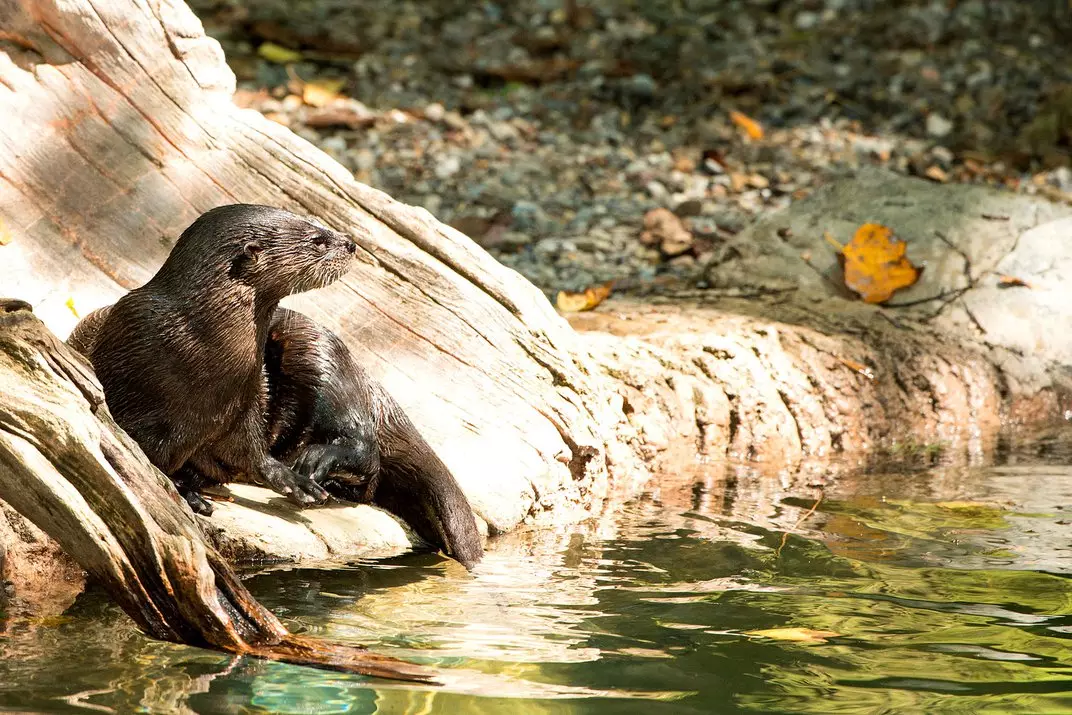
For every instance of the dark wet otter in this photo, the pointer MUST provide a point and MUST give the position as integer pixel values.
(182, 361)
(337, 425)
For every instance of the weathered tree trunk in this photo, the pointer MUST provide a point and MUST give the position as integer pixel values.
(66, 466)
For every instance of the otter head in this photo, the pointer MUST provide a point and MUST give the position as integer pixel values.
(272, 251)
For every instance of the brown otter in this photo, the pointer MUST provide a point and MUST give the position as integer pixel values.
(193, 361)
(338, 426)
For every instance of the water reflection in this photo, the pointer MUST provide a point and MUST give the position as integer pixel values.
(943, 590)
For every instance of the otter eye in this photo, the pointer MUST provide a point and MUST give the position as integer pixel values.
(320, 240)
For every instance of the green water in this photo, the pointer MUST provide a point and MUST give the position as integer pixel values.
(942, 591)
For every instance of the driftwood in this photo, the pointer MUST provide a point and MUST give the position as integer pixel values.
(66, 466)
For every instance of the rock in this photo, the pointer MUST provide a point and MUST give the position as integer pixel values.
(806, 20)
(513, 240)
(1023, 319)
(432, 202)
(658, 191)
(434, 112)
(689, 207)
(37, 576)
(448, 166)
(663, 228)
(259, 525)
(334, 145)
(938, 126)
(528, 217)
(943, 224)
(641, 86)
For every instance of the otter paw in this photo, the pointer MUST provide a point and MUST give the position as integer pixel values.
(321, 461)
(198, 503)
(300, 489)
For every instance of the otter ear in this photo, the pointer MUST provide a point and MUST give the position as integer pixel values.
(252, 249)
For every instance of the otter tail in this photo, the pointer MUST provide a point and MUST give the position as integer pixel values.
(416, 486)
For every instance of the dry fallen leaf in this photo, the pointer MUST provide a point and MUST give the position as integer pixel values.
(321, 92)
(749, 126)
(797, 635)
(936, 173)
(339, 117)
(278, 118)
(278, 54)
(874, 263)
(664, 229)
(5, 234)
(1004, 281)
(858, 367)
(591, 297)
(758, 181)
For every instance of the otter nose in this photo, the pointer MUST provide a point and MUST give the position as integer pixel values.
(351, 247)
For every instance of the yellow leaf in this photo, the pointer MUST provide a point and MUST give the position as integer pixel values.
(322, 92)
(70, 307)
(936, 173)
(797, 635)
(858, 367)
(1004, 281)
(875, 265)
(5, 234)
(278, 54)
(749, 126)
(586, 300)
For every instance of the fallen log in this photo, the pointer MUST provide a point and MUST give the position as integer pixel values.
(66, 466)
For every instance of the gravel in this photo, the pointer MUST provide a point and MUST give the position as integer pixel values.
(558, 133)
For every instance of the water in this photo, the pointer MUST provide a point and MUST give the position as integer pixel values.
(940, 591)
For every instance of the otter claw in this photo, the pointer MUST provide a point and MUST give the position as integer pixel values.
(295, 487)
(198, 504)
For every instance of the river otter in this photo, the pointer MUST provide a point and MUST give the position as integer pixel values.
(338, 426)
(181, 359)
(211, 378)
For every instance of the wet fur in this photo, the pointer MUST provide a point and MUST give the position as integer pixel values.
(342, 429)
(181, 359)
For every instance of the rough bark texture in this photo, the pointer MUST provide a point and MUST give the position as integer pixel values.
(68, 468)
(36, 576)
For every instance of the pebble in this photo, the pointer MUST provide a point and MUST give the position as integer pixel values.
(806, 20)
(529, 216)
(938, 126)
(435, 112)
(447, 167)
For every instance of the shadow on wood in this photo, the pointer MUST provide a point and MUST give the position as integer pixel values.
(66, 466)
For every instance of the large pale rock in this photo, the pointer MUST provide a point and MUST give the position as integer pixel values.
(969, 239)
